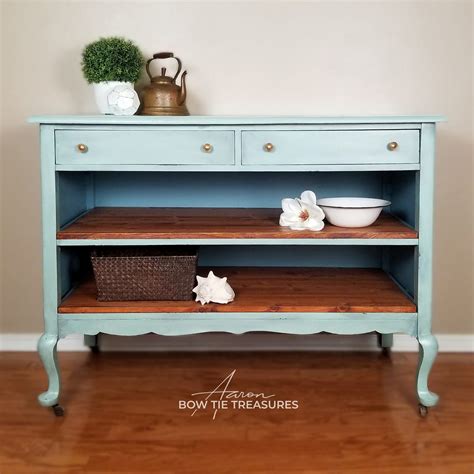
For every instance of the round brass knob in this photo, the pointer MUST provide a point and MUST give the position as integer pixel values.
(268, 147)
(82, 148)
(392, 146)
(207, 148)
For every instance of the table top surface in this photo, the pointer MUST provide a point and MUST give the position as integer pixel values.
(231, 120)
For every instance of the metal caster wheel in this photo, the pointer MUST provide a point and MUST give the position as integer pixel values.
(423, 410)
(58, 410)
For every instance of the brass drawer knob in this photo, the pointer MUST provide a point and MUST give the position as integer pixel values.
(268, 147)
(207, 148)
(392, 146)
(82, 148)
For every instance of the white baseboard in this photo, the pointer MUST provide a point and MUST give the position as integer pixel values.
(246, 342)
(25, 342)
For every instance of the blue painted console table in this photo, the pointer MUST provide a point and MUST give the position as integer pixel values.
(217, 183)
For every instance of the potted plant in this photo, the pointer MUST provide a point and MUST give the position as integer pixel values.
(108, 63)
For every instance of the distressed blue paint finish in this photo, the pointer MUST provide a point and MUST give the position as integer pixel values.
(329, 147)
(290, 256)
(72, 196)
(165, 189)
(402, 267)
(126, 324)
(428, 348)
(237, 167)
(155, 146)
(47, 345)
(157, 161)
(402, 194)
(51, 273)
(386, 340)
(74, 262)
(428, 344)
(232, 120)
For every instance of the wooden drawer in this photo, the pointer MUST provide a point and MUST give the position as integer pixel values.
(145, 147)
(307, 147)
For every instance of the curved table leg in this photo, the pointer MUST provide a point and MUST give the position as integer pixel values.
(428, 348)
(47, 351)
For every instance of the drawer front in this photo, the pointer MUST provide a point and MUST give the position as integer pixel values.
(310, 147)
(145, 147)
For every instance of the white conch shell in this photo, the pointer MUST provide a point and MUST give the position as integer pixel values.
(303, 213)
(213, 289)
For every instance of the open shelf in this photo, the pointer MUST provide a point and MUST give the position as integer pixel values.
(271, 289)
(213, 223)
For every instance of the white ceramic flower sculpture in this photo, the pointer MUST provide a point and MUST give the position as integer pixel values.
(213, 289)
(303, 213)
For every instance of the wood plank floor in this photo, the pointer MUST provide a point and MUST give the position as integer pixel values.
(357, 414)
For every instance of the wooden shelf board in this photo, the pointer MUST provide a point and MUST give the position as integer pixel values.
(213, 223)
(271, 289)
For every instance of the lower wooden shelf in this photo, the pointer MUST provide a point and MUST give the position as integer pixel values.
(273, 290)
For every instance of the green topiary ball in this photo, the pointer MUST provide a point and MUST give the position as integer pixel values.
(112, 59)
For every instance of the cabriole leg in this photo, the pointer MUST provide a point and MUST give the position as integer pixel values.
(47, 351)
(428, 348)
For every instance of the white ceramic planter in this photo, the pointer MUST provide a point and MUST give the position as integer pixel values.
(101, 92)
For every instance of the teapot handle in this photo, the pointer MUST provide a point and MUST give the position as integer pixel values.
(163, 56)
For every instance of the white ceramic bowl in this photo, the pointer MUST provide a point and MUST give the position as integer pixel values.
(352, 211)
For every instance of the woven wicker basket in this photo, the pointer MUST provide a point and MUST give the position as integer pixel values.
(147, 273)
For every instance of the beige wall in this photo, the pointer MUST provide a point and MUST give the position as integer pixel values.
(248, 58)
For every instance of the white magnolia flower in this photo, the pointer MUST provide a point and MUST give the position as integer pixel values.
(213, 289)
(303, 213)
(123, 100)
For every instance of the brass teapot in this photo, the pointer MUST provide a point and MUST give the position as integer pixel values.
(163, 96)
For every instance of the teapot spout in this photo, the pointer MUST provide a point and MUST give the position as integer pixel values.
(182, 93)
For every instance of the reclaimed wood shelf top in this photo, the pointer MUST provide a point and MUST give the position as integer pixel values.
(270, 289)
(214, 223)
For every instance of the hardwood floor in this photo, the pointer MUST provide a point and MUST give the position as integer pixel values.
(357, 414)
